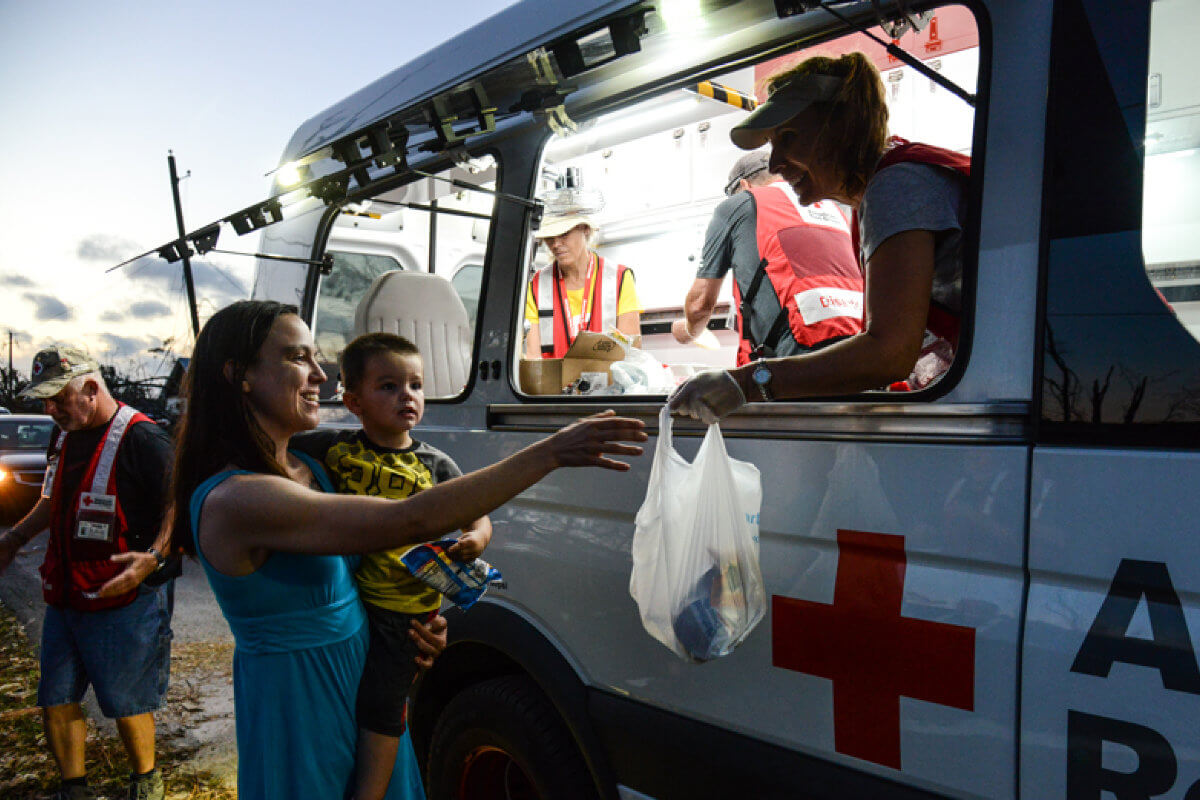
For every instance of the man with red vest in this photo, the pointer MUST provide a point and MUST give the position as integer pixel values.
(797, 283)
(108, 615)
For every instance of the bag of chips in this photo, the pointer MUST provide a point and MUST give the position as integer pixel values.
(462, 582)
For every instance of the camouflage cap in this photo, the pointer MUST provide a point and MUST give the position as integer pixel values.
(55, 367)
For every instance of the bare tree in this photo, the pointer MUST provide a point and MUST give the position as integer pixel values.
(1098, 393)
(1066, 390)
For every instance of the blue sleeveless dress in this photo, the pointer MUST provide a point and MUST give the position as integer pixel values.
(300, 637)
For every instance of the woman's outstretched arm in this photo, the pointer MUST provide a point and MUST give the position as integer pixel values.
(251, 514)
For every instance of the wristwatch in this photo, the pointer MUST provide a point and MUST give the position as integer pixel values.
(761, 377)
(159, 557)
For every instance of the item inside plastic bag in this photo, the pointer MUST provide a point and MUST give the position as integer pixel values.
(461, 582)
(707, 624)
(696, 576)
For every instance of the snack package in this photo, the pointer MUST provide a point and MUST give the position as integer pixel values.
(707, 624)
(462, 582)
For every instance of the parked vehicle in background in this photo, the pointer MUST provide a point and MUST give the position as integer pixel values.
(23, 442)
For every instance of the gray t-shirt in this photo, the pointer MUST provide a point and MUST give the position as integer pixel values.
(732, 241)
(910, 196)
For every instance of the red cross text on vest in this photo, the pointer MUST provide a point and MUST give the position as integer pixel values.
(873, 655)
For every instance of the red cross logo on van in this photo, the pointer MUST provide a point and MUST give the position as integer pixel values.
(873, 655)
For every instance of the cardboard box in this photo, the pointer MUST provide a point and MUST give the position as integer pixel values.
(591, 355)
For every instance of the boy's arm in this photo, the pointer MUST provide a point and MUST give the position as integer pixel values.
(475, 538)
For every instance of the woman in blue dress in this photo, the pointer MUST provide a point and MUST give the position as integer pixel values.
(271, 537)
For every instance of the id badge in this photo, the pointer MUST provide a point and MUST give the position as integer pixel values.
(97, 512)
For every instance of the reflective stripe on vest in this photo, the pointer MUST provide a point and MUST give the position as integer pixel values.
(108, 455)
(544, 295)
(610, 295)
(52, 466)
(552, 317)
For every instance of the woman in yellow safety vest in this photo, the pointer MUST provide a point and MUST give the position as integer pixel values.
(580, 291)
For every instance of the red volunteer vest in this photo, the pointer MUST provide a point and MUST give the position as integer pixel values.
(551, 300)
(811, 265)
(941, 321)
(86, 527)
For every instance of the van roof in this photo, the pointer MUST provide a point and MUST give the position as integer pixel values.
(509, 34)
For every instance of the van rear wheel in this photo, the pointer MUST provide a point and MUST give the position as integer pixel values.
(502, 740)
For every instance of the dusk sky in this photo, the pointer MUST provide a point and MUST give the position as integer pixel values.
(93, 97)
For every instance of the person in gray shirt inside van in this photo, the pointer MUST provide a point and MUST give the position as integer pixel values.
(795, 278)
(826, 121)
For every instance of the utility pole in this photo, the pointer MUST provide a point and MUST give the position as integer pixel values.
(184, 249)
(12, 381)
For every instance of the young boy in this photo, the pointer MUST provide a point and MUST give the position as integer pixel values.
(382, 376)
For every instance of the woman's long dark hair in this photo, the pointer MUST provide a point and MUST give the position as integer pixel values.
(218, 427)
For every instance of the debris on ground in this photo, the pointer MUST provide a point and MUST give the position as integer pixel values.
(27, 771)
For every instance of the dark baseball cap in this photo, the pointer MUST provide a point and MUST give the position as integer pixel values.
(786, 101)
(55, 367)
(746, 168)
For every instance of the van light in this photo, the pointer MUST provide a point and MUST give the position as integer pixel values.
(681, 15)
(290, 174)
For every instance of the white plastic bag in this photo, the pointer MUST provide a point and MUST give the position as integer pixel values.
(696, 577)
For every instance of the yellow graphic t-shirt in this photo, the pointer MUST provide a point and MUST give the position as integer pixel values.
(358, 466)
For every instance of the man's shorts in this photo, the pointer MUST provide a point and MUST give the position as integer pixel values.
(124, 653)
(389, 671)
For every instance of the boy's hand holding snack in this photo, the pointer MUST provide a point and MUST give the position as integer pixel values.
(472, 542)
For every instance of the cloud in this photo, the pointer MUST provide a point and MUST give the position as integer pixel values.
(112, 316)
(209, 279)
(147, 309)
(125, 346)
(16, 282)
(49, 308)
(107, 248)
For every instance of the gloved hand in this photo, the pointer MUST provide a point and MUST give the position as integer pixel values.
(707, 396)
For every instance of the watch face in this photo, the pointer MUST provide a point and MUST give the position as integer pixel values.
(761, 376)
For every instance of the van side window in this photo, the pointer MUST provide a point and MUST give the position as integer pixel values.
(340, 290)
(1171, 193)
(652, 177)
(409, 260)
(1121, 361)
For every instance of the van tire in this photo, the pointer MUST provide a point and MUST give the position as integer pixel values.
(503, 738)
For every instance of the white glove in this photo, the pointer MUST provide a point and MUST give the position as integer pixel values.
(707, 396)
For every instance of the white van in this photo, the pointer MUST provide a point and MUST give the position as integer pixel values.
(989, 588)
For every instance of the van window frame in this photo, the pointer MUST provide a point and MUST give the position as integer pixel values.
(971, 233)
(434, 166)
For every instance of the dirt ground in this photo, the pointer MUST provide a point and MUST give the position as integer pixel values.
(196, 747)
